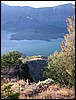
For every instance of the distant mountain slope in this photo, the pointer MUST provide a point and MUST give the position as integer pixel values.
(35, 23)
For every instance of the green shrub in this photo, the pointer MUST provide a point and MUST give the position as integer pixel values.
(57, 71)
(8, 86)
(11, 59)
(13, 95)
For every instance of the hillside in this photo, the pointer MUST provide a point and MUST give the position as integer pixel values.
(35, 23)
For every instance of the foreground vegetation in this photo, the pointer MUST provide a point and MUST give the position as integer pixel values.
(12, 89)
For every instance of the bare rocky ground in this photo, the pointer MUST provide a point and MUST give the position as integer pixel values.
(46, 89)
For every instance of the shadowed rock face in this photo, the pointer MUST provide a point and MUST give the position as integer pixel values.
(24, 72)
(30, 69)
(35, 69)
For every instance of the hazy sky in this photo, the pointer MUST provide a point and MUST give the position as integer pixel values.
(37, 4)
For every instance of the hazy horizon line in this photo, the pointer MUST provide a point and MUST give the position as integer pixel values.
(33, 4)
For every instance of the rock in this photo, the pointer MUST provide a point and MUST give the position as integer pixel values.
(35, 69)
(31, 69)
(24, 72)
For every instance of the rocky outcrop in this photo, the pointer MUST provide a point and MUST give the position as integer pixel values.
(36, 64)
(31, 69)
(35, 69)
(24, 72)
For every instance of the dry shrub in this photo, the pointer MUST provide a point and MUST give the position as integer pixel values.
(54, 91)
(21, 82)
(66, 92)
(53, 87)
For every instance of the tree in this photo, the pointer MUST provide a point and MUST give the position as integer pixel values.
(61, 66)
(11, 59)
(68, 47)
(57, 71)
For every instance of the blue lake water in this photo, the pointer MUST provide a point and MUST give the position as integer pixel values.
(29, 47)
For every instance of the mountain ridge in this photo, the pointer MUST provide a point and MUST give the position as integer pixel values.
(34, 7)
(32, 23)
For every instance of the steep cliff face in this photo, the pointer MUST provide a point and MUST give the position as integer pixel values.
(35, 63)
(35, 69)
